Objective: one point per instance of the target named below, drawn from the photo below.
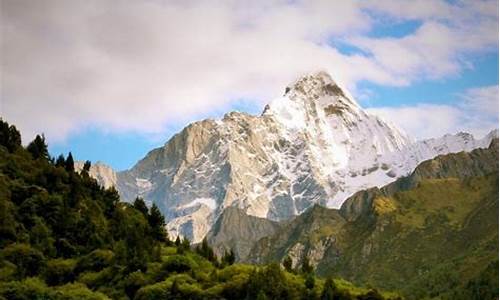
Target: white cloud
(476, 112)
(437, 47)
(141, 65)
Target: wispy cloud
(141, 65)
(476, 111)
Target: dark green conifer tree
(157, 223)
(306, 266)
(61, 161)
(140, 205)
(228, 258)
(329, 290)
(38, 148)
(70, 163)
(287, 264)
(86, 166)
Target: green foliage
(271, 281)
(96, 260)
(306, 266)
(59, 271)
(310, 281)
(86, 166)
(10, 137)
(29, 261)
(229, 258)
(69, 165)
(206, 251)
(62, 236)
(140, 205)
(157, 223)
(38, 148)
(329, 290)
(288, 264)
(60, 161)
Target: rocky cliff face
(314, 145)
(237, 231)
(103, 173)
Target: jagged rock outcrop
(104, 174)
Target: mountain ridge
(439, 222)
(314, 145)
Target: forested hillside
(62, 236)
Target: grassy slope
(444, 226)
(433, 234)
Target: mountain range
(313, 146)
(432, 234)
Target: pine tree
(61, 161)
(86, 166)
(38, 148)
(14, 138)
(228, 258)
(287, 264)
(157, 223)
(261, 295)
(140, 205)
(206, 251)
(329, 290)
(70, 163)
(177, 241)
(186, 244)
(174, 289)
(310, 281)
(9, 136)
(306, 267)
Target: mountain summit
(313, 145)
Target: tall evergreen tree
(306, 266)
(186, 243)
(229, 257)
(157, 223)
(206, 251)
(329, 290)
(86, 166)
(70, 163)
(9, 136)
(60, 161)
(310, 281)
(38, 148)
(287, 264)
(140, 205)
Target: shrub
(96, 260)
(175, 264)
(59, 271)
(31, 288)
(28, 260)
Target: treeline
(63, 236)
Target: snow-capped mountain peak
(313, 145)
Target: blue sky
(112, 84)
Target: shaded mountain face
(314, 145)
(432, 233)
(237, 231)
